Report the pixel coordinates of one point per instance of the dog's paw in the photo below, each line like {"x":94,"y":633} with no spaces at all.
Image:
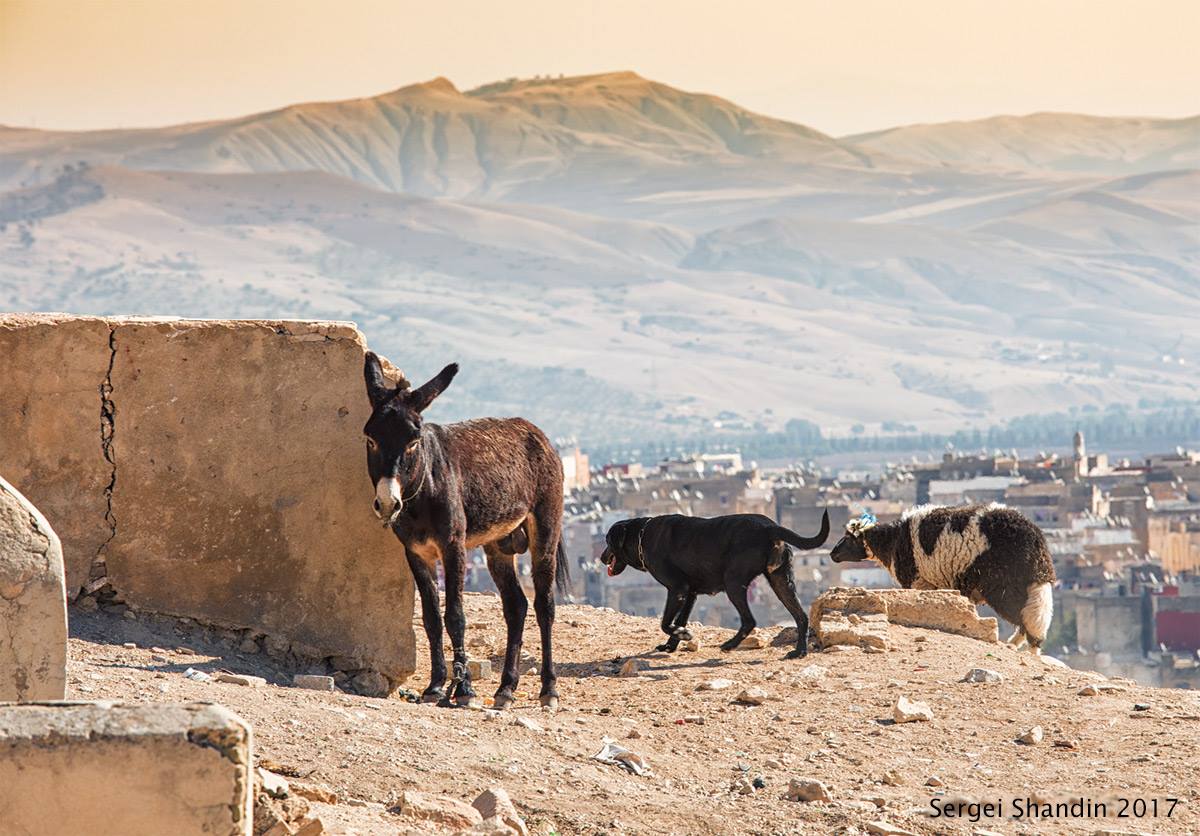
{"x":730,"y":645}
{"x":798,"y":653}
{"x":667,"y":647}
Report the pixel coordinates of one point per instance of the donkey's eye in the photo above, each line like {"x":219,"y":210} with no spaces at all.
{"x":371,"y":445}
{"x":411,"y":447}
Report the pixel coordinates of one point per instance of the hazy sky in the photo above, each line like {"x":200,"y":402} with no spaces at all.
{"x":837,"y":65}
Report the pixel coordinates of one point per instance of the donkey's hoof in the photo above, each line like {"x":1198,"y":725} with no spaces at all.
{"x":432,"y":694}
{"x":467,"y":701}
{"x":503,"y":701}
{"x":549,"y":701}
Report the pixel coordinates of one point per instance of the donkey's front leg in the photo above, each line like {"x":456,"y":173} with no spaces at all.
{"x":454,"y":561}
{"x":431,"y":617}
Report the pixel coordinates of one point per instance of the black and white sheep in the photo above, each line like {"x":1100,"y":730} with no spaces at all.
{"x":992,"y":554}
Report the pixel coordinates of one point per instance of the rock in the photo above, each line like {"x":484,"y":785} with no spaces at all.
{"x":632,"y":666}
{"x":312,"y":826}
{"x":697,"y":719}
{"x":33,"y":604}
{"x":634,"y":734}
{"x":519,"y":720}
{"x":772,"y":763}
{"x":807,"y":789}
{"x":983,"y":675}
{"x":273,"y":785}
{"x":248,"y":645}
{"x":479,"y":669}
{"x":753,"y":696}
{"x":314,"y":792}
{"x":1032,"y":737}
{"x":754,"y":641}
{"x":494,"y":826}
{"x":313,"y":682}
{"x":437,"y":808}
{"x":891,"y":778}
{"x":1054,"y":663}
{"x":1064,"y":743}
{"x":1141,"y":706}
{"x":743,"y":786}
{"x":715,"y":685}
{"x":812,"y":673}
{"x":934,"y":781}
{"x":882,"y":828}
{"x":494,"y":802}
{"x":241,"y":679}
{"x":690,"y":646}
{"x":371,"y":684}
{"x":1088,"y":691}
{"x":911,"y":711}
{"x":937,"y":609}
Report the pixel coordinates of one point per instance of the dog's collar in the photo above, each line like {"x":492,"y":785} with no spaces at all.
{"x":641,"y":553}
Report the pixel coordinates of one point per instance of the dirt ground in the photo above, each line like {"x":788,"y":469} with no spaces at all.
{"x":827,"y":717}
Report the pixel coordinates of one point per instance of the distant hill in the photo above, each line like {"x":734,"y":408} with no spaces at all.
{"x":620,"y":259}
{"x":1066,"y":142}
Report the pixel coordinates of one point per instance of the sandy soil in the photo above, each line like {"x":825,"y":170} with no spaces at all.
{"x":829,"y":717}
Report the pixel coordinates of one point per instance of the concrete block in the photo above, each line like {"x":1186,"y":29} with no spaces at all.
{"x":126,"y":770}
{"x":33,"y":604}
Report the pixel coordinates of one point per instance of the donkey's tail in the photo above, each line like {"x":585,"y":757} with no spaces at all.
{"x":562,"y":570}
{"x":791,"y":537}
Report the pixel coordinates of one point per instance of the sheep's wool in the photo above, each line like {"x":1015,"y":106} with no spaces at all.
{"x":953,"y":553}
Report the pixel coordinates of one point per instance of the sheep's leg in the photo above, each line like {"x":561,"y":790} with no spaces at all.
{"x":921,"y":583}
{"x":1017,"y":639}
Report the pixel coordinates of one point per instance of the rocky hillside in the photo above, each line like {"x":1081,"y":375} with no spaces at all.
{"x":730,"y":740}
{"x":622,"y":260}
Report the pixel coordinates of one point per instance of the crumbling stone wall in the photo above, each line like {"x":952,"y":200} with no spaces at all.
{"x":33,"y":606}
{"x":210,"y":469}
{"x":100,"y":768}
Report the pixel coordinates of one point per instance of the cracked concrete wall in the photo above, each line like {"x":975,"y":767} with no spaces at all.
{"x":101,"y":769}
{"x":33,"y":604}
{"x":51,"y":368}
{"x":226,"y":478}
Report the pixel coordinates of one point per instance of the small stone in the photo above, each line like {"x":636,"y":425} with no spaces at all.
{"x":1063,"y":743}
{"x":911,"y":711}
{"x":248,"y":645}
{"x":773,"y":763}
{"x":525,"y":722}
{"x":690,"y":646}
{"x":694,"y":718}
{"x":241,"y":679}
{"x":753,"y":696}
{"x":807,"y":789}
{"x":891,"y":778}
{"x":273,"y":785}
{"x":129,"y":615}
{"x":934,"y":781}
{"x":313,"y":682}
{"x":1141,"y":706}
{"x":87,"y":604}
{"x":371,"y":684}
{"x":315,"y":792}
{"x":312,"y":826}
{"x":1088,"y":691}
{"x":130,"y":645}
{"x":983,"y":675}
{"x":435,"y":808}
{"x":479,"y":669}
{"x":495,"y":803}
{"x":1032,"y":737}
{"x":743,"y":786}
{"x":632,"y":666}
{"x":634,"y":734}
{"x":754,"y":641}
{"x":882,"y":828}
{"x":715,"y":685}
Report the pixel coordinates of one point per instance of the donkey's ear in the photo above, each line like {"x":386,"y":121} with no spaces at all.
{"x":422,"y":397}
{"x":378,"y":387}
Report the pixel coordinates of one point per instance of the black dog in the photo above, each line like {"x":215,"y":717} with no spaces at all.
{"x":693,"y":556}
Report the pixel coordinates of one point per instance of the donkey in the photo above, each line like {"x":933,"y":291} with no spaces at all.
{"x":491,"y":482}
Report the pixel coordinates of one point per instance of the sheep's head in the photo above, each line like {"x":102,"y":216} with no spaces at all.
{"x":853,"y":547}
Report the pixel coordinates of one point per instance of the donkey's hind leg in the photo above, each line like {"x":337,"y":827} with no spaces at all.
{"x":543,"y":545}
{"x":504,"y":573}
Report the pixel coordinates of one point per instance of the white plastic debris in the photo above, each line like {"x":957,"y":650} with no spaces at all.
{"x":199,"y":676}
{"x":620,"y":756}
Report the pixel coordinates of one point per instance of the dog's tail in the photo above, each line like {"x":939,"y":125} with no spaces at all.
{"x":562,"y":569}
{"x":792,"y":538}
